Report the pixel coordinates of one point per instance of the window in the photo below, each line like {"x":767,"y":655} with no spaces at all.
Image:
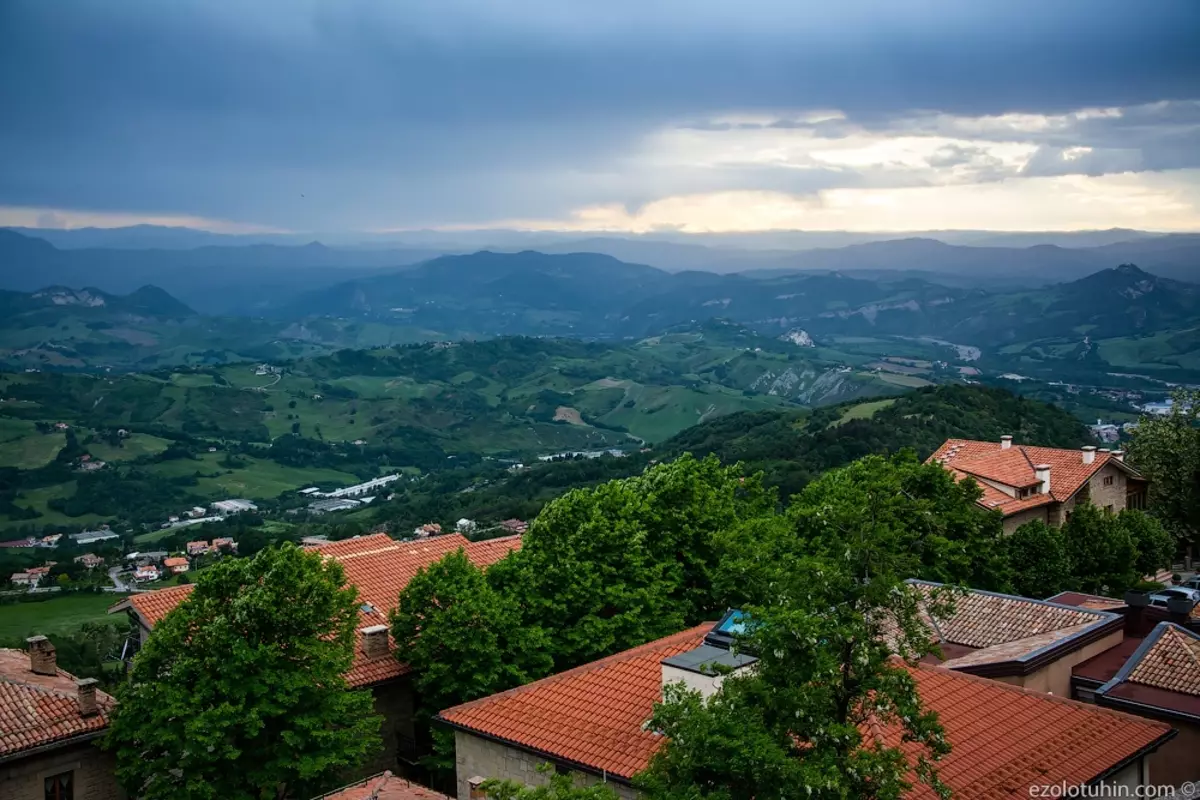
{"x":1108,"y":509}
{"x":60,"y":786}
{"x":1108,"y":480}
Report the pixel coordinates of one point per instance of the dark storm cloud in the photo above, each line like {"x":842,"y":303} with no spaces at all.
{"x":429,"y":112}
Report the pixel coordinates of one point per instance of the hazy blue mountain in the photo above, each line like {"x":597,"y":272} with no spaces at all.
{"x":219,"y":280}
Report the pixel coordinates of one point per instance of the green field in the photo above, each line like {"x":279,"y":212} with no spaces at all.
{"x":37,"y":499}
{"x":29,"y":450}
{"x":60,"y":615}
{"x":135,"y":446}
{"x":862,"y":411}
{"x":260,"y":479}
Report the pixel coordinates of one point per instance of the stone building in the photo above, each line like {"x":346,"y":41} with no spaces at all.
{"x":49,"y":724}
{"x":1026,"y":483}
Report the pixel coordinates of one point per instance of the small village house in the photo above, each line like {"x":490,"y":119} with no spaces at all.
{"x":89,"y":560}
{"x":197,"y":548}
{"x":49,"y":724}
{"x":380,"y":567}
{"x":176,"y":565}
{"x":146,"y":572}
{"x":590,"y":722}
{"x":1026,"y":483}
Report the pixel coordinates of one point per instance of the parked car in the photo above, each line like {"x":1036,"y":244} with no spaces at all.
{"x":1163,"y":597}
{"x":1190,"y":583}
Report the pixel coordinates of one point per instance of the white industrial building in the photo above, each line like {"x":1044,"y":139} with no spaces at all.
{"x":362,"y":488}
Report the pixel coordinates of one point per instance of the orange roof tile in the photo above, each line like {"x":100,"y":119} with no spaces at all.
{"x":1004,"y":738}
{"x":379,"y":566}
{"x":37,"y":710}
{"x":384,"y":787}
{"x":591,"y":715}
{"x":1014,"y":466}
{"x":175,"y":562}
{"x":1172,"y":662}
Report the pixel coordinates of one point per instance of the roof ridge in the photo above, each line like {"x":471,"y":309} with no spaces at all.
{"x":582,"y":669}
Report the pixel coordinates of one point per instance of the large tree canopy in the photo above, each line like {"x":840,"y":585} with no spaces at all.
{"x":831,"y":622}
{"x":1166,"y":449}
{"x":609,"y":568}
{"x":240,"y":693}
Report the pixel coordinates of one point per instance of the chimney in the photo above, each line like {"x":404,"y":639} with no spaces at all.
{"x":473,"y":788}
{"x":1119,"y":455}
{"x":1005,"y":441}
{"x":1042,"y":471}
{"x":1089,"y":454}
{"x":42,"y":660}
{"x":375,"y":641}
{"x":87,"y":697}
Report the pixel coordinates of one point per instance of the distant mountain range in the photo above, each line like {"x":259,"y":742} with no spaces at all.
{"x":259,"y":278}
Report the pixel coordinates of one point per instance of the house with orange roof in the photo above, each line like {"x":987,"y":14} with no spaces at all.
{"x":1018,"y":640}
{"x":176,"y":565}
{"x":379,"y":567}
{"x":49,"y":724}
{"x":384,"y":786}
{"x":1026,"y":483}
{"x":590,"y":721}
{"x":1154,"y":672}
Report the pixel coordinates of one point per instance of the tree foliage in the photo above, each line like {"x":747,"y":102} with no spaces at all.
{"x":1166,"y":449}
{"x":1102,"y":554}
{"x":609,"y":568}
{"x":463,"y":638}
{"x":556,"y":787}
{"x":1037,"y":556}
{"x":832,"y":626}
{"x":240,"y":693}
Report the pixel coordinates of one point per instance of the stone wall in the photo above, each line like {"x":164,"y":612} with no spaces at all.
{"x":93,"y":772}
{"x":484,"y":758}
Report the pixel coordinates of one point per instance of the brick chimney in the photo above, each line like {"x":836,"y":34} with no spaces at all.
{"x":473,"y":788}
{"x":1005,"y":441}
{"x":42,"y":658}
{"x":375,"y":641}
{"x":1042,"y":471}
{"x":87,"y":697}
{"x":1089,"y":454}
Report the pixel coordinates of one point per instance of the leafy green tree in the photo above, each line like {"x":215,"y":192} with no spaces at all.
{"x":609,"y":568}
{"x":557,"y":787}
{"x":1037,"y":558}
{"x":240,"y":692}
{"x":1102,"y":553}
{"x":1155,"y":545}
{"x":905,"y":507}
{"x":832,"y":632}
{"x":463,"y":638}
{"x":1166,"y":449}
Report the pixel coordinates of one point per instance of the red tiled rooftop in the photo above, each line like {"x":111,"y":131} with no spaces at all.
{"x":379,"y":566}
{"x":1001,"y":628}
{"x":384,"y":787}
{"x":1163,"y":672}
{"x":1014,"y":467}
{"x":37,"y":710}
{"x":1004,"y":738}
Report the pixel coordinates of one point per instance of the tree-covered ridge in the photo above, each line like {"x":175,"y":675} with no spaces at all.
{"x":792,"y":449}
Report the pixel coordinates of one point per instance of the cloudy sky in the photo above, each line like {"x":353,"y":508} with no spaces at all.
{"x":626,"y":115}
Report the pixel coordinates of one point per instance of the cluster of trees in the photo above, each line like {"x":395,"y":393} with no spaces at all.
{"x":1166,"y":450}
{"x":251,"y":664}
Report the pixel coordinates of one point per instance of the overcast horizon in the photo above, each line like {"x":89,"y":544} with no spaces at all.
{"x":665,"y":117}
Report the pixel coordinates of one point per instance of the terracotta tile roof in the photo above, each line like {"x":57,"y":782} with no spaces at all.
{"x":37,"y":710}
{"x":1005,"y":739}
{"x":1164,"y":673}
{"x":1172,"y":662}
{"x":591,"y":715}
{"x":175,"y":562}
{"x":1014,"y":467}
{"x":380,"y":567}
{"x":384,"y":787}
{"x":1009,"y":628}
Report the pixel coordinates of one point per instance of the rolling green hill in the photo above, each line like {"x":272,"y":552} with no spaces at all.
{"x":333,"y":419}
